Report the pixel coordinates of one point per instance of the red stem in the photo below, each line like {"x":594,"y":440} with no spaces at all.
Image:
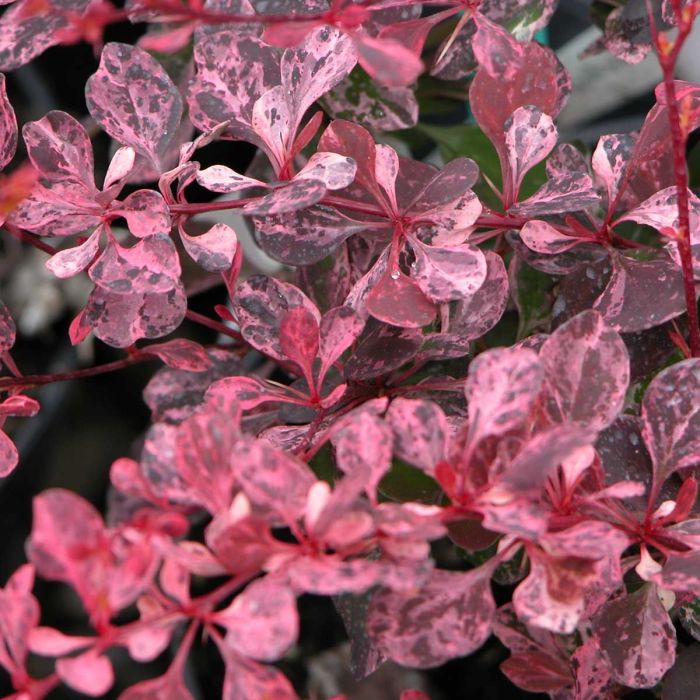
{"x":667,"y":59}
{"x":43,"y":379}
{"x":213,"y":325}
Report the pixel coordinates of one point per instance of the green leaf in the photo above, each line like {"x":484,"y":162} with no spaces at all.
{"x":532,"y":292}
{"x":406,"y":483}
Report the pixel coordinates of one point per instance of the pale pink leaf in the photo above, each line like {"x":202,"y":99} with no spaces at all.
{"x":661,"y":210}
{"x":671,"y":415}
{"x":530,"y":135}
{"x":19,"y":616}
{"x":47,"y":641}
{"x":71,"y":261}
{"x":587,"y":369}
{"x":449,"y":617}
{"x":180,"y":353}
{"x":8,"y":126}
{"x":572,"y":192}
{"x":296,"y":194}
{"x":134,"y":100}
{"x":262,"y":622}
{"x":220,"y":178}
{"x":610,"y":159}
{"x":501,"y":389}
{"x":449,"y":273}
{"x":120,"y":166}
{"x":213,"y":250}
{"x":421,"y":432}
{"x":637,"y":637}
{"x":88,"y":673}
{"x":333,"y":170}
{"x":544,"y":238}
{"x":386,"y":169}
{"x":170,"y":686}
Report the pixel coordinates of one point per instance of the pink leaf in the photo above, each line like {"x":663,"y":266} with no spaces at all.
{"x":26,"y":32}
{"x":333,"y":170}
{"x":220,"y":178}
{"x":544,"y":238}
{"x":151,"y":266}
{"x":47,"y":641}
{"x":671,"y":414}
{"x":340,"y":328}
{"x":572,"y":192}
{"x":388,"y":61}
{"x":587,"y":369}
{"x":610,"y":160}
{"x":88,"y":673}
{"x":120,"y":166}
{"x":635,"y":634}
{"x":121,"y":319}
{"x":421,"y":432}
{"x":227,"y":83}
{"x":299,"y":339}
{"x":19,"y":616}
{"x":180,"y":354}
{"x":146,"y":213}
{"x":530,"y":135}
{"x":9,"y":457}
{"x":170,"y":686}
{"x":450,"y":617}
{"x":297,"y":194}
{"x":271,"y":478}
{"x":262,"y":621}
{"x":641,"y":294}
{"x":8,"y":126}
{"x":213,"y":250}
{"x":537,"y":672}
{"x":496,"y":50}
{"x":60,"y":149}
{"x":307,"y":236}
{"x":450,"y":273}
{"x":69,"y":262}
{"x":318,"y":65}
{"x":8,"y":330}
{"x":501,"y":389}
{"x":681,"y":572}
{"x":261,"y":304}
{"x":526,"y":474}
{"x":363,"y":452}
{"x":540,"y":80}
{"x":398,"y":300}
{"x":134,"y":100}
{"x":247,"y":680}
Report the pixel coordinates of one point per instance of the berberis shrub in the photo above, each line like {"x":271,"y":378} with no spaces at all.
{"x":503,"y":364}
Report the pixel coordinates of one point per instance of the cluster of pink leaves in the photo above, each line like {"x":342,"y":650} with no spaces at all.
{"x":538,"y":465}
